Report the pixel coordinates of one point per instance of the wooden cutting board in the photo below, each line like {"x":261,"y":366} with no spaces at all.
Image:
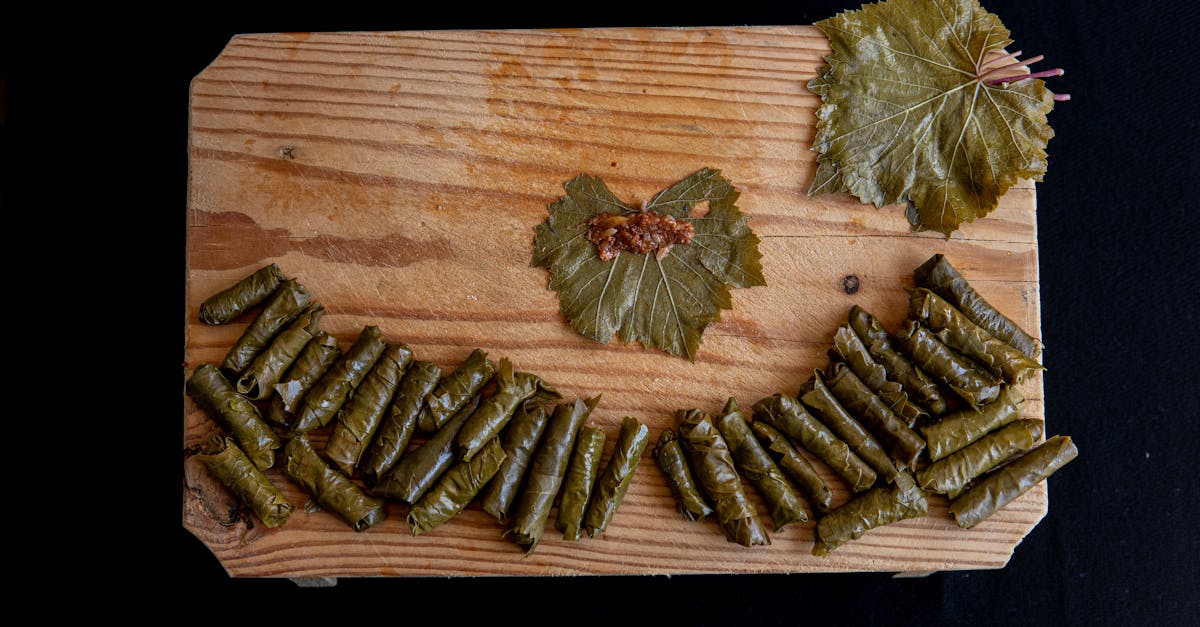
{"x":399,"y":176}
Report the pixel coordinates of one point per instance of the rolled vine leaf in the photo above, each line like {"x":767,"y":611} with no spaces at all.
{"x":329,"y":488}
{"x":673,"y":461}
{"x":546,"y":471}
{"x":225,"y":306}
{"x":328,"y":394}
{"x":455,"y":489}
{"x":284,"y":306}
{"x":753,"y":462}
{"x":213,"y":393}
{"x":235,"y":471}
{"x":614,"y":480}
{"x":716,"y":473}
{"x":1012,"y":480}
{"x":519,"y":441}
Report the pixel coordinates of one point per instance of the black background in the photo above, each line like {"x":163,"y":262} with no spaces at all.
{"x":1118,"y":284}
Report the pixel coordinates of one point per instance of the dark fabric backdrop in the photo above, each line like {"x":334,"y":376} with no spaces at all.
{"x":1119,"y":293}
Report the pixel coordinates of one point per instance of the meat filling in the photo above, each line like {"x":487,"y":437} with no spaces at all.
{"x":639,"y":232}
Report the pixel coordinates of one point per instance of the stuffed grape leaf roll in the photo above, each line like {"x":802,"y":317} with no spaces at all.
{"x":903,"y":443}
{"x":493,"y":414}
{"x":959,"y":429}
{"x":398,"y":426}
{"x":816,"y":395}
{"x":782,"y":499}
{"x":577,"y":483}
{"x":329,"y":488}
{"x":258,"y":381}
{"x":882,"y":505}
{"x":917,"y":385}
{"x":232,"y":468}
{"x":712,"y":462}
{"x":939,"y":276}
{"x":455,"y":489}
{"x":417,"y":471}
{"x":792,"y":463}
{"x":546,"y":471}
{"x":850,"y":350}
{"x":361,"y":415}
{"x":958,"y":332}
{"x":950,"y":475}
{"x":328,"y":394}
{"x":614,"y":480}
{"x":1012,"y":480}
{"x":946,"y":365}
{"x":215,"y":395}
{"x":285,"y":304}
{"x":455,"y":389}
{"x":316,"y":358}
{"x":672,"y":460}
{"x":786,"y":414}
{"x":225,"y":306}
{"x":519,"y":441}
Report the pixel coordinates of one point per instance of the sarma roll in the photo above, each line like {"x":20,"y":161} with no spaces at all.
{"x":316,"y":358}
{"x":577,"y":483}
{"x":398,"y":426}
{"x":1011,"y":481}
{"x":875,"y":508}
{"x":328,"y":394}
{"x":902,"y":443}
{"x":850,"y":350}
{"x":830,"y":412}
{"x":950,"y":475}
{"x":455,"y":489}
{"x":455,"y":389}
{"x":546,"y":471}
{"x":519,"y":440}
{"x":329,"y":488}
{"x":794,"y":465}
{"x":215,"y":395}
{"x":941,"y":277}
{"x":786,"y":414}
{"x":712,"y":462}
{"x":946,"y":365}
{"x":258,"y":381}
{"x":417,"y":471}
{"x":672,"y":460}
{"x":361,"y":415}
{"x":917,"y":385}
{"x":958,"y":332}
{"x":614,"y":480}
{"x":782,"y":499}
{"x":284,"y":306}
{"x":232,"y":468}
{"x":493,"y":414}
{"x":225,"y":306}
{"x":962,"y":428}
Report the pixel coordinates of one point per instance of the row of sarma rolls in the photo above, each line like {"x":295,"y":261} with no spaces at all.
{"x":931,"y":409}
{"x":397,"y":428}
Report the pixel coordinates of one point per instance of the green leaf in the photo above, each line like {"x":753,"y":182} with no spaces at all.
{"x":908,"y":115}
{"x":663,"y":303}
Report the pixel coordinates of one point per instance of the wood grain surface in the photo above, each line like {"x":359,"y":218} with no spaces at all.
{"x":399,"y":176}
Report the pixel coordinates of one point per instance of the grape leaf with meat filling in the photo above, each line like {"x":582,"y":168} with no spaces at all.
{"x":661,"y":298}
{"x":915,"y":110}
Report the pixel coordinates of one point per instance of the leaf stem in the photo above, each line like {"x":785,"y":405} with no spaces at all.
{"x":1020,"y":77}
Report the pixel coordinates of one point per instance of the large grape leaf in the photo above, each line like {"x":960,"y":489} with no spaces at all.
{"x":664,"y":303}
{"x":908,"y":113}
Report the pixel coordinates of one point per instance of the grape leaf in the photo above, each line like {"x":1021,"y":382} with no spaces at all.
{"x":910,"y":111}
{"x":662,"y":302}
